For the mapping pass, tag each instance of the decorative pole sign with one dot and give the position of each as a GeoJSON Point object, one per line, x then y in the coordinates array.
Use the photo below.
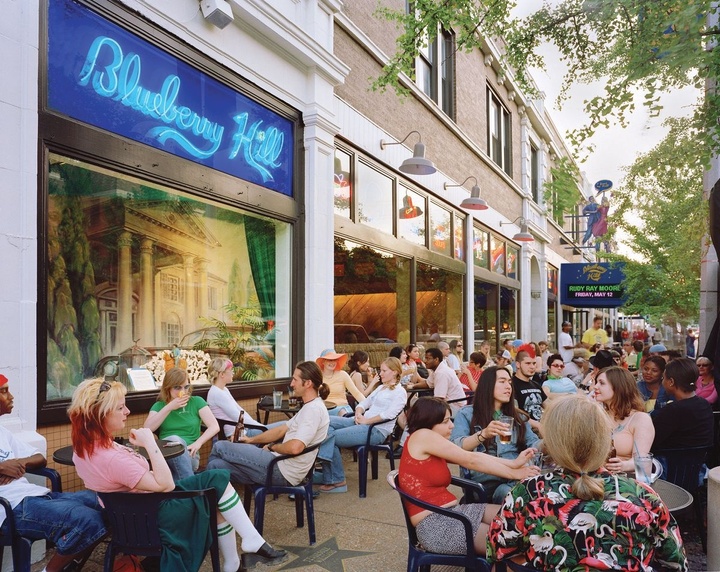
{"type": "Point", "coordinates": [603, 185]}
{"type": "Point", "coordinates": [105, 76]}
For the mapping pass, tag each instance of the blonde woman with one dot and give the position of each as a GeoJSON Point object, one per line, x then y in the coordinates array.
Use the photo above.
{"type": "Point", "coordinates": [221, 402]}
{"type": "Point", "coordinates": [98, 413]}
{"type": "Point", "coordinates": [331, 363]}
{"type": "Point", "coordinates": [579, 516]}
{"type": "Point", "coordinates": [178, 415]}
{"type": "Point", "coordinates": [383, 404]}
{"type": "Point", "coordinates": [631, 429]}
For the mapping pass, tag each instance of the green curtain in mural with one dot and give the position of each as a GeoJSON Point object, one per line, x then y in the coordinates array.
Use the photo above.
{"type": "Point", "coordinates": [260, 236]}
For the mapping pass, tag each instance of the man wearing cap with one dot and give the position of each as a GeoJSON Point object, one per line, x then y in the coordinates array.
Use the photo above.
{"type": "Point", "coordinates": [565, 342]}
{"type": "Point", "coordinates": [601, 360]}
{"type": "Point", "coordinates": [528, 391]}
{"type": "Point", "coordinates": [503, 360]}
{"type": "Point", "coordinates": [596, 334]}
{"type": "Point", "coordinates": [72, 521]}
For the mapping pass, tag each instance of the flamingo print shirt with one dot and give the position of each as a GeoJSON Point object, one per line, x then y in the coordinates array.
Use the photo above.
{"type": "Point", "coordinates": [630, 529]}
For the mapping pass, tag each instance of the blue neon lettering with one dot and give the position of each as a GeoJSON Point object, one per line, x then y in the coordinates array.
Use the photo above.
{"type": "Point", "coordinates": [119, 79]}
{"type": "Point", "coordinates": [259, 147]}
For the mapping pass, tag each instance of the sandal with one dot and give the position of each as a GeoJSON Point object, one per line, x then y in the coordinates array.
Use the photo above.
{"type": "Point", "coordinates": [336, 488]}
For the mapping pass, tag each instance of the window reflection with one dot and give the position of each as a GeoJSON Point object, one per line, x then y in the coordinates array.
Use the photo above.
{"type": "Point", "coordinates": [459, 235]}
{"type": "Point", "coordinates": [512, 262]}
{"type": "Point", "coordinates": [440, 230]}
{"type": "Point", "coordinates": [134, 268]}
{"type": "Point", "coordinates": [486, 314]}
{"type": "Point", "coordinates": [372, 295]}
{"type": "Point", "coordinates": [342, 184]}
{"type": "Point", "coordinates": [481, 257]}
{"type": "Point", "coordinates": [412, 216]}
{"type": "Point", "coordinates": [439, 304]}
{"type": "Point", "coordinates": [497, 255]}
{"type": "Point", "coordinates": [375, 198]}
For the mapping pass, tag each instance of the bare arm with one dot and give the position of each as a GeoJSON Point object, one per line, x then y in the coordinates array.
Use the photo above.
{"type": "Point", "coordinates": [269, 436]}
{"type": "Point", "coordinates": [159, 480]}
{"type": "Point", "coordinates": [156, 418]}
{"type": "Point", "coordinates": [212, 428]}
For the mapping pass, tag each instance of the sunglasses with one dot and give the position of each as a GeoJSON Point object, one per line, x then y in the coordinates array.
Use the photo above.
{"type": "Point", "coordinates": [558, 365]}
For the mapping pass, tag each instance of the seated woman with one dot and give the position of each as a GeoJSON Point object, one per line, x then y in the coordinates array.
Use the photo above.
{"type": "Point", "coordinates": [631, 429]}
{"type": "Point", "coordinates": [178, 415]}
{"type": "Point", "coordinates": [477, 425]}
{"type": "Point", "coordinates": [221, 402]}
{"type": "Point", "coordinates": [98, 413]}
{"type": "Point", "coordinates": [687, 420]}
{"type": "Point", "coordinates": [409, 367]}
{"type": "Point", "coordinates": [383, 404]}
{"type": "Point", "coordinates": [413, 352]}
{"type": "Point", "coordinates": [424, 473]}
{"type": "Point", "coordinates": [361, 373]}
{"type": "Point", "coordinates": [331, 364]}
{"type": "Point", "coordinates": [579, 516]}
{"type": "Point", "coordinates": [707, 385]}
{"type": "Point", "coordinates": [470, 375]}
{"type": "Point", "coordinates": [651, 386]}
{"type": "Point", "coordinates": [556, 384]}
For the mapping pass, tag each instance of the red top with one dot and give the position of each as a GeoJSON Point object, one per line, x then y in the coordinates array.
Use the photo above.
{"type": "Point", "coordinates": [427, 480]}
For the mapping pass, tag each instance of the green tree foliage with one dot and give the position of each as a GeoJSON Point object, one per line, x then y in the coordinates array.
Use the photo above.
{"type": "Point", "coordinates": [662, 209]}
{"type": "Point", "coordinates": [561, 189]}
{"type": "Point", "coordinates": [632, 46]}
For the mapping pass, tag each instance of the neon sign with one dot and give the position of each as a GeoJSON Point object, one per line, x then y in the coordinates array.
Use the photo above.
{"type": "Point", "coordinates": [129, 87]}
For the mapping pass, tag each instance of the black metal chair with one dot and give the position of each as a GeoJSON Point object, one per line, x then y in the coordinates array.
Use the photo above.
{"type": "Point", "coordinates": [303, 491]}
{"type": "Point", "coordinates": [133, 523]}
{"type": "Point", "coordinates": [420, 559]}
{"type": "Point", "coordinates": [683, 468]}
{"type": "Point", "coordinates": [362, 452]}
{"type": "Point", "coordinates": [21, 546]}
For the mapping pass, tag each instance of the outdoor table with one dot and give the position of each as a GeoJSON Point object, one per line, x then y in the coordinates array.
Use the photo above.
{"type": "Point", "coordinates": [169, 450]}
{"type": "Point", "coordinates": [267, 407]}
{"type": "Point", "coordinates": [674, 497]}
{"type": "Point", "coordinates": [419, 391]}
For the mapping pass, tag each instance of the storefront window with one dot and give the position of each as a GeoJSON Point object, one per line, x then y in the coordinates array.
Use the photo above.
{"type": "Point", "coordinates": [412, 216]}
{"type": "Point", "coordinates": [375, 198]}
{"type": "Point", "coordinates": [480, 248]}
{"type": "Point", "coordinates": [508, 314]}
{"type": "Point", "coordinates": [142, 277]}
{"type": "Point", "coordinates": [512, 262]}
{"type": "Point", "coordinates": [439, 303]}
{"type": "Point", "coordinates": [372, 295]}
{"type": "Point", "coordinates": [342, 180]}
{"type": "Point", "coordinates": [486, 314]}
{"type": "Point", "coordinates": [459, 234]}
{"type": "Point", "coordinates": [497, 255]}
{"type": "Point", "coordinates": [440, 230]}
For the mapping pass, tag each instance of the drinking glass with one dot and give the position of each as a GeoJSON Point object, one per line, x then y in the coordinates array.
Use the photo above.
{"type": "Point", "coordinates": [277, 399]}
{"type": "Point", "coordinates": [647, 469]}
{"type": "Point", "coordinates": [506, 437]}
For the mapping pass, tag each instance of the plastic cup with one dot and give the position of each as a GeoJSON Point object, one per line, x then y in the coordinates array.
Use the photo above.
{"type": "Point", "coordinates": [647, 469]}
{"type": "Point", "coordinates": [277, 399]}
{"type": "Point", "coordinates": [506, 437]}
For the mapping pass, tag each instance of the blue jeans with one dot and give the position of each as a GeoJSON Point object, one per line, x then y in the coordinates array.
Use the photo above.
{"type": "Point", "coordinates": [343, 433]}
{"type": "Point", "coordinates": [73, 521]}
{"type": "Point", "coordinates": [247, 463]}
{"type": "Point", "coordinates": [184, 465]}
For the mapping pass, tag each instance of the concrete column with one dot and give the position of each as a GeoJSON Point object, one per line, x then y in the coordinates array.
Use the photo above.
{"type": "Point", "coordinates": [202, 266]}
{"type": "Point", "coordinates": [713, 519]}
{"type": "Point", "coordinates": [124, 292]}
{"type": "Point", "coordinates": [146, 313]}
{"type": "Point", "coordinates": [190, 314]}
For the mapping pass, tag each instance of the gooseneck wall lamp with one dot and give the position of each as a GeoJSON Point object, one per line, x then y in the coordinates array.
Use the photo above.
{"type": "Point", "coordinates": [524, 234]}
{"type": "Point", "coordinates": [473, 202]}
{"type": "Point", "coordinates": [417, 164]}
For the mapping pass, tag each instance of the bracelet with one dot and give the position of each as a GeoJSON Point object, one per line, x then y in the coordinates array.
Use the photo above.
{"type": "Point", "coordinates": [480, 437]}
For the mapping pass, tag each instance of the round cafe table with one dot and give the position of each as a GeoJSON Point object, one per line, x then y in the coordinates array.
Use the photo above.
{"type": "Point", "coordinates": [674, 497]}
{"type": "Point", "coordinates": [169, 449]}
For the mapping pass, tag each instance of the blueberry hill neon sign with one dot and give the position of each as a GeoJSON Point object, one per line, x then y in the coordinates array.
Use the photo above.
{"type": "Point", "coordinates": [129, 87]}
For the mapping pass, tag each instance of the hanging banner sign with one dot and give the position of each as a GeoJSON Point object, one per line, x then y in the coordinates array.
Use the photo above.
{"type": "Point", "coordinates": [105, 76]}
{"type": "Point", "coordinates": [592, 285]}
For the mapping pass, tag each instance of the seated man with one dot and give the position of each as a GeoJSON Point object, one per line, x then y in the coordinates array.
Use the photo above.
{"type": "Point", "coordinates": [248, 464]}
{"type": "Point", "coordinates": [72, 521]}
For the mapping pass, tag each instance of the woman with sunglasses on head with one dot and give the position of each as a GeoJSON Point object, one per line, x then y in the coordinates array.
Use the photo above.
{"type": "Point", "coordinates": [177, 416]}
{"type": "Point", "coordinates": [221, 402]}
{"type": "Point", "coordinates": [98, 414]}
{"type": "Point", "coordinates": [556, 384]}
{"type": "Point", "coordinates": [477, 426]}
{"type": "Point", "coordinates": [707, 385]}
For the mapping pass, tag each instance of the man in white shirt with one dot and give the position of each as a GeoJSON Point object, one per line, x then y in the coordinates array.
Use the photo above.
{"type": "Point", "coordinates": [442, 380]}
{"type": "Point", "coordinates": [565, 342]}
{"type": "Point", "coordinates": [72, 521]}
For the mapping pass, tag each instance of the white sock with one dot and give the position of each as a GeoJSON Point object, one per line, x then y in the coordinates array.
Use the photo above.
{"type": "Point", "coordinates": [228, 547]}
{"type": "Point", "coordinates": [234, 512]}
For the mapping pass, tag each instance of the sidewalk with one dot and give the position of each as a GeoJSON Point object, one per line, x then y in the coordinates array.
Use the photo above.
{"type": "Point", "coordinates": [354, 534]}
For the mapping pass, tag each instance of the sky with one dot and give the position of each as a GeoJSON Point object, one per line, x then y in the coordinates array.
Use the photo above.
{"type": "Point", "coordinates": [615, 147]}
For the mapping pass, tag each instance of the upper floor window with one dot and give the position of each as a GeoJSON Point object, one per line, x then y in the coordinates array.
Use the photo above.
{"type": "Point", "coordinates": [499, 140]}
{"type": "Point", "coordinates": [535, 187]}
{"type": "Point", "coordinates": [435, 70]}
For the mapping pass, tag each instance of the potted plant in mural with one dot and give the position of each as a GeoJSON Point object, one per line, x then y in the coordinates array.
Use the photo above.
{"type": "Point", "coordinates": [73, 317]}
{"type": "Point", "coordinates": [247, 339]}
